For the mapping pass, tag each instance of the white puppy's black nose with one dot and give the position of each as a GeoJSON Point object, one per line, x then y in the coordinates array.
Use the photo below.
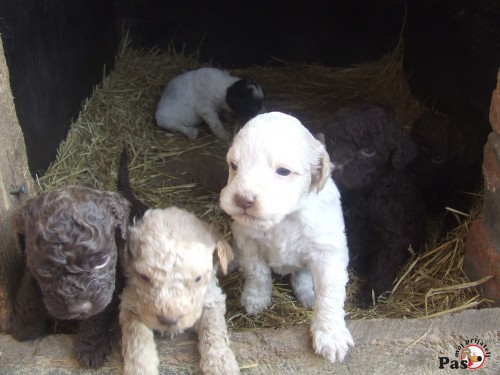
{"type": "Point", "coordinates": [243, 201]}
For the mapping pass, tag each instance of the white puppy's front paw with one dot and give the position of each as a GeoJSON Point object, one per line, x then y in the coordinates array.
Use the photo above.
{"type": "Point", "coordinates": [303, 287]}
{"type": "Point", "coordinates": [304, 293]}
{"type": "Point", "coordinates": [306, 299]}
{"type": "Point", "coordinates": [332, 343]}
{"type": "Point", "coordinates": [253, 302]}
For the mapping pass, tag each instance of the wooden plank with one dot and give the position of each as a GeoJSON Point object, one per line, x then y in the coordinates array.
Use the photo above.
{"type": "Point", "coordinates": [383, 346]}
{"type": "Point", "coordinates": [14, 173]}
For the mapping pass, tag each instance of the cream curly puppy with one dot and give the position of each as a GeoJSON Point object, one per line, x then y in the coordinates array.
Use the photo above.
{"type": "Point", "coordinates": [171, 286]}
{"type": "Point", "coordinates": [288, 219]}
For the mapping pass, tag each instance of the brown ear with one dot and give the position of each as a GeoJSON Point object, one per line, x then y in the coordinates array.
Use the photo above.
{"type": "Point", "coordinates": [406, 150]}
{"type": "Point", "coordinates": [321, 173]}
{"type": "Point", "coordinates": [18, 225]}
{"type": "Point", "coordinates": [223, 251]}
{"type": "Point", "coordinates": [120, 208]}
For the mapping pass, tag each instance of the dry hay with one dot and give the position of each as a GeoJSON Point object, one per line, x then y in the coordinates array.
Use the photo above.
{"type": "Point", "coordinates": [167, 169]}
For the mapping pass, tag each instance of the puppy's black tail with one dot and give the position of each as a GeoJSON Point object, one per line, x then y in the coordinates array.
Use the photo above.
{"type": "Point", "coordinates": [137, 208]}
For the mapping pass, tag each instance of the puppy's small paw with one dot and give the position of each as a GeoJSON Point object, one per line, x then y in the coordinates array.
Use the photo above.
{"type": "Point", "coordinates": [230, 366]}
{"type": "Point", "coordinates": [23, 331]}
{"type": "Point", "coordinates": [332, 343]}
{"type": "Point", "coordinates": [253, 302]}
{"type": "Point", "coordinates": [307, 301]}
{"type": "Point", "coordinates": [303, 287]}
{"type": "Point", "coordinates": [224, 363]}
{"type": "Point", "coordinates": [92, 351]}
{"type": "Point", "coordinates": [192, 133]}
{"type": "Point", "coordinates": [364, 298]}
{"type": "Point", "coordinates": [305, 297]}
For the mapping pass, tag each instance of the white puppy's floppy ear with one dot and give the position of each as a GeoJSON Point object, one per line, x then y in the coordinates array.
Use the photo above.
{"type": "Point", "coordinates": [224, 254]}
{"type": "Point", "coordinates": [223, 251]}
{"type": "Point", "coordinates": [321, 172]}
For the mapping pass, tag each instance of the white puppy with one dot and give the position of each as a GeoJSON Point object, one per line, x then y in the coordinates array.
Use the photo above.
{"type": "Point", "coordinates": [199, 95]}
{"type": "Point", "coordinates": [288, 219]}
{"type": "Point", "coordinates": [171, 286]}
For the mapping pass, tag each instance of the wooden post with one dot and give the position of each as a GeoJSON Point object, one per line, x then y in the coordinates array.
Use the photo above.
{"type": "Point", "coordinates": [16, 185]}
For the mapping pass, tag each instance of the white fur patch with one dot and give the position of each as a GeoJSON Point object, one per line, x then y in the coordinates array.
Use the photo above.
{"type": "Point", "coordinates": [194, 97]}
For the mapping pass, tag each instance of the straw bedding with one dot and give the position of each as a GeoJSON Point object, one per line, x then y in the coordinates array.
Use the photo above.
{"type": "Point", "coordinates": [168, 169]}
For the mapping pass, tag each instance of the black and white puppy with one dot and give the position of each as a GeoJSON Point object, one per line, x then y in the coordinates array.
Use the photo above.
{"type": "Point", "coordinates": [199, 95]}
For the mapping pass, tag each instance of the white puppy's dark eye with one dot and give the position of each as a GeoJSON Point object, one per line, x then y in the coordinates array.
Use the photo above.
{"type": "Point", "coordinates": [198, 279]}
{"type": "Point", "coordinates": [283, 171]}
{"type": "Point", "coordinates": [367, 152]}
{"type": "Point", "coordinates": [144, 278]}
{"type": "Point", "coordinates": [233, 166]}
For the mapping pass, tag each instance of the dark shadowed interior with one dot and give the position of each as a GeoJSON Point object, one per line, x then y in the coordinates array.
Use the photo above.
{"type": "Point", "coordinates": [57, 51]}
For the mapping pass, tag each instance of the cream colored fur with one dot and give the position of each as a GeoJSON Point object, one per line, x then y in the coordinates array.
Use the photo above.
{"type": "Point", "coordinates": [171, 286]}
{"type": "Point", "coordinates": [288, 219]}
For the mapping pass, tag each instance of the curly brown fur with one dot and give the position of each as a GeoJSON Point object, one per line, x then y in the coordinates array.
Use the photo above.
{"type": "Point", "coordinates": [383, 208]}
{"type": "Point", "coordinates": [69, 238]}
{"type": "Point", "coordinates": [447, 166]}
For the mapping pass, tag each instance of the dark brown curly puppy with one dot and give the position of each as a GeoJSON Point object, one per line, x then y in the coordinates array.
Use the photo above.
{"type": "Point", "coordinates": [69, 238]}
{"type": "Point", "coordinates": [383, 208]}
{"type": "Point", "coordinates": [448, 165]}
